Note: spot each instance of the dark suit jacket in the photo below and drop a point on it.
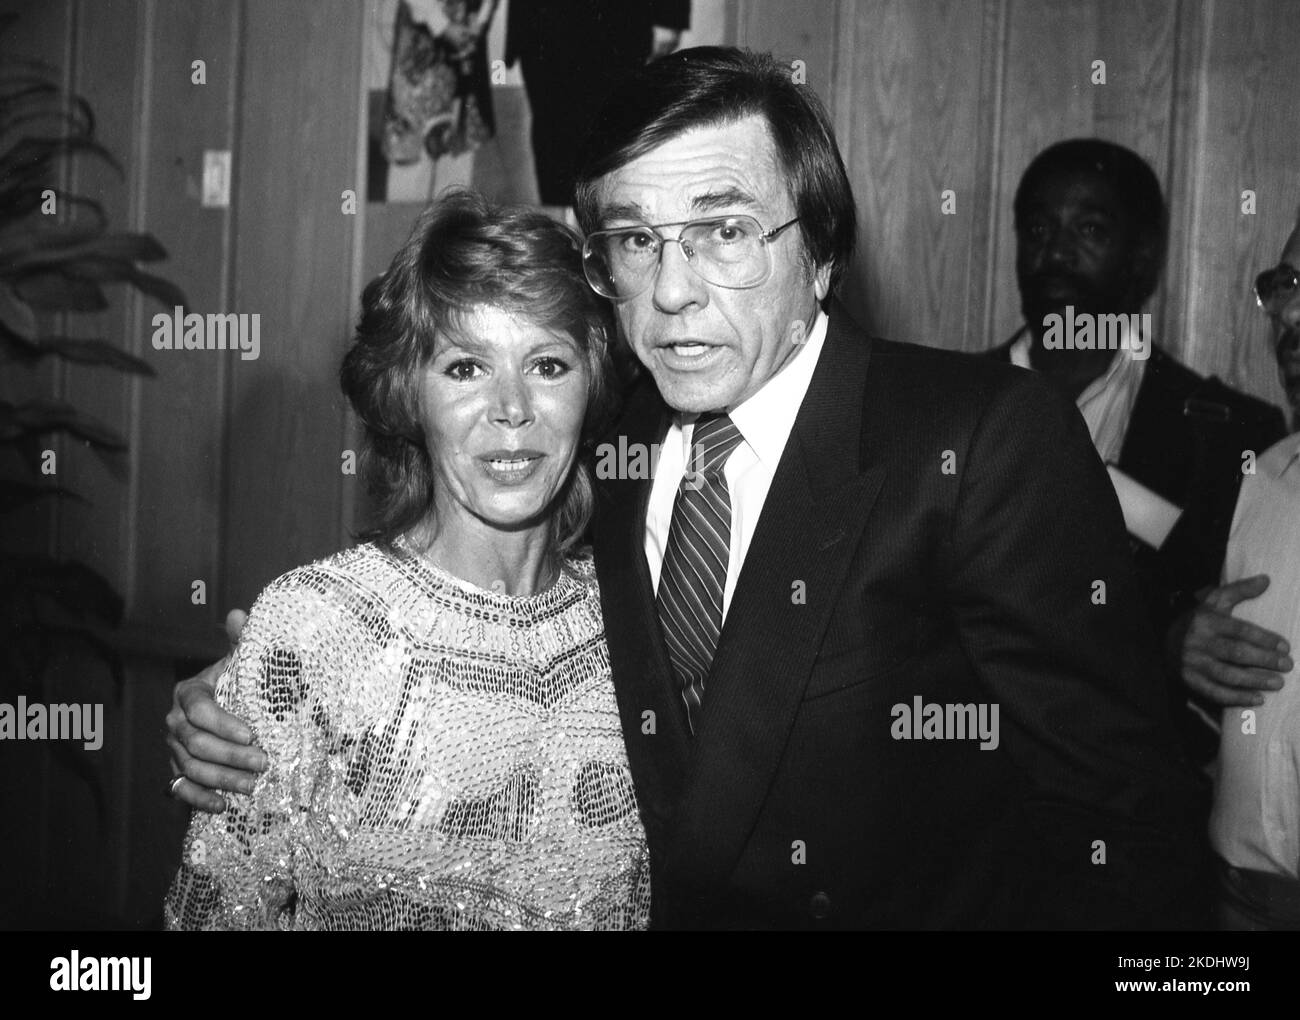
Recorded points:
(615, 30)
(572, 52)
(1185, 442)
(973, 585)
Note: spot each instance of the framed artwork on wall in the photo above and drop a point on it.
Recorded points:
(496, 94)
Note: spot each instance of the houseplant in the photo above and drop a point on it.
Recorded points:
(57, 256)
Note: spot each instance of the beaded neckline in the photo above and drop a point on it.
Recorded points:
(556, 593)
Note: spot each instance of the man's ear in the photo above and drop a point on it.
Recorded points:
(822, 281)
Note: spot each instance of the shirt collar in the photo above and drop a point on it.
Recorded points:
(1124, 370)
(1020, 349)
(767, 418)
(1125, 363)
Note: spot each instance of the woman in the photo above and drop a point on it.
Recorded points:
(436, 703)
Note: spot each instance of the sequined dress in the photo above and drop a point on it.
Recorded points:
(441, 756)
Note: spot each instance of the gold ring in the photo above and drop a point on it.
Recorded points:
(172, 784)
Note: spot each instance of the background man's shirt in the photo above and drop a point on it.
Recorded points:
(1107, 402)
(1256, 818)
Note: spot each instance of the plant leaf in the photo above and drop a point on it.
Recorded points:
(68, 288)
(38, 103)
(34, 156)
(93, 638)
(37, 417)
(156, 287)
(71, 585)
(36, 237)
(15, 316)
(16, 494)
(76, 349)
(57, 250)
(51, 291)
(21, 201)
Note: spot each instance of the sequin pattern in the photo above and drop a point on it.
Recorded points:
(440, 757)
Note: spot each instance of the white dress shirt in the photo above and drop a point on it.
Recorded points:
(765, 421)
(1255, 822)
(1107, 402)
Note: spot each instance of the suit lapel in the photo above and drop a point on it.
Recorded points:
(657, 745)
(812, 519)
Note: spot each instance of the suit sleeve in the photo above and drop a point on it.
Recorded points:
(1050, 616)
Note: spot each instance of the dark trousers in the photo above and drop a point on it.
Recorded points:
(1251, 900)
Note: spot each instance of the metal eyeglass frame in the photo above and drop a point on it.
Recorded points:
(764, 237)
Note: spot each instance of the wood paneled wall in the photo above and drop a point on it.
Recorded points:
(930, 95)
(234, 470)
(233, 473)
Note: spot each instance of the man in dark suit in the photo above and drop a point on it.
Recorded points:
(875, 636)
(908, 528)
(571, 53)
(1091, 231)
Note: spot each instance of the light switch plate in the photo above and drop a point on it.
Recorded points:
(216, 178)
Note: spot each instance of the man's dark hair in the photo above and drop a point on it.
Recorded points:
(712, 85)
(463, 254)
(1129, 175)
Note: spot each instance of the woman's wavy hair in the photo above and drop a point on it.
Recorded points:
(466, 253)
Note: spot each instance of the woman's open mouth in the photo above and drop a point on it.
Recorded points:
(511, 465)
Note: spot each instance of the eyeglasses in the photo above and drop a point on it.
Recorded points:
(727, 251)
(1276, 287)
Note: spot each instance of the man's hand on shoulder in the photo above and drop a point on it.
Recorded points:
(1229, 661)
(209, 746)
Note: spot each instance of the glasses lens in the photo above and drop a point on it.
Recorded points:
(1275, 287)
(619, 263)
(728, 252)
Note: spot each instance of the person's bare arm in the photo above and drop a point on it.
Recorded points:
(210, 747)
(1230, 661)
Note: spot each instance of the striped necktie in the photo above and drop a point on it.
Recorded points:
(695, 561)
